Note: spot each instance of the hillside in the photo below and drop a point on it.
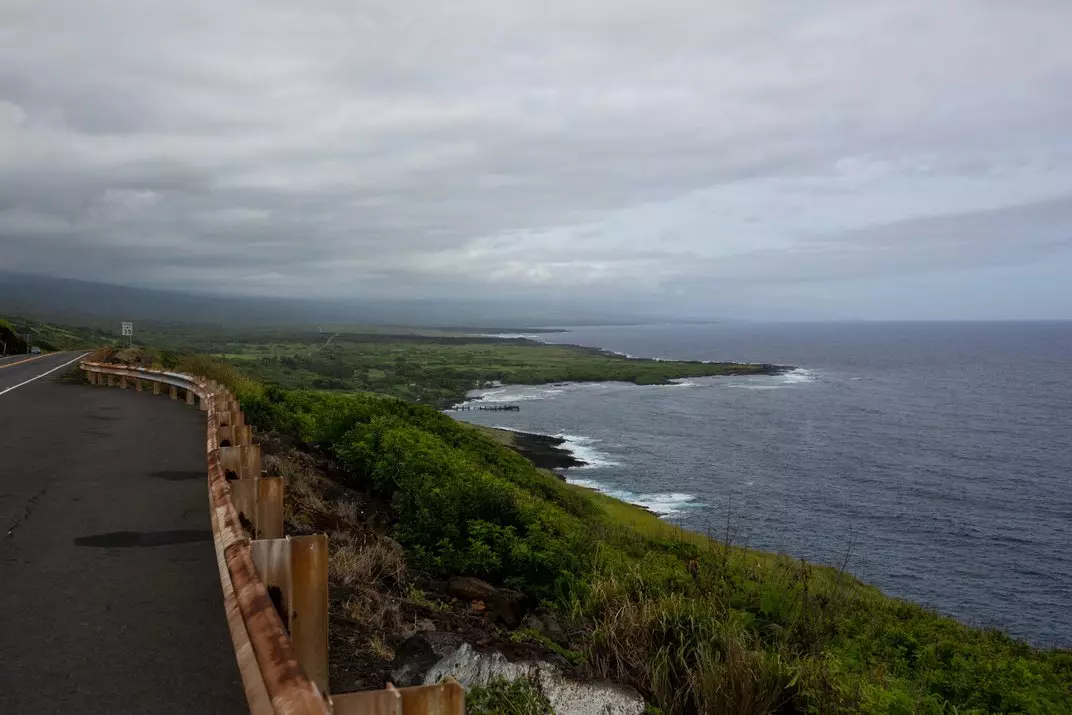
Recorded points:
(695, 624)
(89, 302)
(49, 336)
(11, 340)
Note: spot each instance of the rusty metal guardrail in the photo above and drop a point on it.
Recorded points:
(274, 586)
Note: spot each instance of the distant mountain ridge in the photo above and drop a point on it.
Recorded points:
(90, 303)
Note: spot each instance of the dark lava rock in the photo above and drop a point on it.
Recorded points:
(503, 604)
(419, 653)
(545, 623)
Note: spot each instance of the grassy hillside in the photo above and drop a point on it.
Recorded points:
(696, 625)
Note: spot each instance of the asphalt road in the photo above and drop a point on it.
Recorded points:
(110, 598)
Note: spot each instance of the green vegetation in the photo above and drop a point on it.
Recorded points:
(502, 697)
(49, 336)
(430, 366)
(435, 370)
(698, 626)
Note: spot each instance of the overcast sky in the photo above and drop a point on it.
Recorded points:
(791, 159)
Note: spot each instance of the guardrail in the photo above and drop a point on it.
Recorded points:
(274, 586)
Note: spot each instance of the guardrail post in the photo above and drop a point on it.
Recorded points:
(371, 702)
(138, 385)
(230, 420)
(189, 397)
(242, 434)
(447, 698)
(309, 624)
(297, 568)
(260, 502)
(122, 382)
(174, 392)
(269, 508)
(244, 461)
(156, 387)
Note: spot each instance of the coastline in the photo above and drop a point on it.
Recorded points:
(547, 452)
(728, 369)
(544, 451)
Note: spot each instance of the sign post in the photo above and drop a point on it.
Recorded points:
(128, 330)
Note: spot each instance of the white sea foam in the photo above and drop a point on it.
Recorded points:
(582, 448)
(798, 376)
(508, 336)
(634, 357)
(579, 446)
(501, 395)
(661, 503)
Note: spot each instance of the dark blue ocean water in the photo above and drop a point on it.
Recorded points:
(935, 457)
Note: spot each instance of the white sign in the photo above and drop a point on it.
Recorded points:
(128, 328)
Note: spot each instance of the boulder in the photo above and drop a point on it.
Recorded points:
(504, 605)
(545, 623)
(567, 696)
(415, 657)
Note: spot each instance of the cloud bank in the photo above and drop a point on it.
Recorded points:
(708, 158)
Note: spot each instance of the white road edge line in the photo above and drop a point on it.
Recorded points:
(58, 367)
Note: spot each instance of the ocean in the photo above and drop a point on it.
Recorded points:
(933, 459)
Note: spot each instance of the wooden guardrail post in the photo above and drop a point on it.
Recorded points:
(309, 625)
(190, 397)
(242, 434)
(173, 392)
(260, 502)
(156, 387)
(295, 569)
(446, 698)
(230, 418)
(241, 461)
(370, 702)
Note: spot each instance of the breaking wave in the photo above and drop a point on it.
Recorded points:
(661, 503)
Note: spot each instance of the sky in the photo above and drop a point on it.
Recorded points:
(761, 159)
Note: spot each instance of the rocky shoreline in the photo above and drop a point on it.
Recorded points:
(544, 451)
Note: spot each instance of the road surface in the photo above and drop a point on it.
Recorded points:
(110, 598)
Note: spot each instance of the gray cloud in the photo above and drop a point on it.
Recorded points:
(686, 153)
